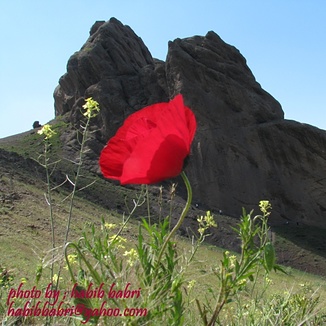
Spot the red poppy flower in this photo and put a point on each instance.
(151, 145)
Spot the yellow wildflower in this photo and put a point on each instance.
(46, 131)
(91, 107)
(132, 256)
(71, 260)
(264, 206)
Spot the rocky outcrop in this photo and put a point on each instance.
(244, 149)
(115, 67)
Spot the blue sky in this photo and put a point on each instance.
(282, 40)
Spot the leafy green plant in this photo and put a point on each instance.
(91, 109)
(161, 277)
(44, 161)
(287, 308)
(234, 273)
(103, 261)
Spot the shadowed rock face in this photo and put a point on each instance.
(244, 150)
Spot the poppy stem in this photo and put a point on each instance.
(182, 216)
(148, 208)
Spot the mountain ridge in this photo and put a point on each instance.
(243, 145)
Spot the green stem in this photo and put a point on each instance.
(222, 297)
(85, 134)
(95, 275)
(49, 200)
(136, 204)
(79, 164)
(182, 216)
(148, 207)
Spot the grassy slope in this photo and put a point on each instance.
(25, 225)
(25, 239)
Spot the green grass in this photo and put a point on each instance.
(25, 231)
(29, 144)
(25, 240)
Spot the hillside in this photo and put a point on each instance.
(27, 254)
(24, 213)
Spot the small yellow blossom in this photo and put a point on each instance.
(268, 281)
(200, 220)
(209, 219)
(264, 206)
(118, 241)
(46, 131)
(110, 226)
(71, 260)
(55, 278)
(242, 282)
(232, 261)
(191, 284)
(132, 256)
(201, 231)
(91, 107)
(206, 222)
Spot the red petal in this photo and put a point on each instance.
(113, 156)
(151, 145)
(154, 159)
(180, 120)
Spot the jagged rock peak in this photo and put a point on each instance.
(244, 150)
(215, 75)
(96, 26)
(111, 51)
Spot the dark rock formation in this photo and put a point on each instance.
(36, 124)
(244, 150)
